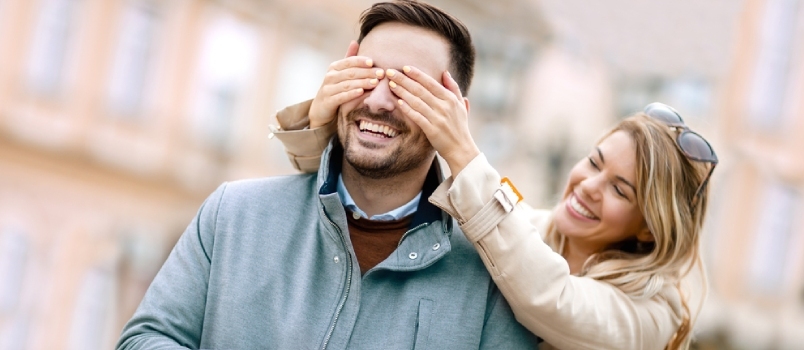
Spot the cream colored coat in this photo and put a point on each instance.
(568, 312)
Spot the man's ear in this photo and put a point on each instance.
(352, 49)
(466, 102)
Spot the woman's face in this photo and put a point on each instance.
(599, 204)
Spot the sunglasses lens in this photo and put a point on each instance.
(696, 147)
(664, 113)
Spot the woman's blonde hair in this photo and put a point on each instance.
(666, 183)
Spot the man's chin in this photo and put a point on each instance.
(367, 152)
(371, 146)
(368, 161)
(372, 170)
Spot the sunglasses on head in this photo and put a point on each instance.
(691, 144)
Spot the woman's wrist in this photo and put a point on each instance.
(317, 116)
(315, 123)
(458, 161)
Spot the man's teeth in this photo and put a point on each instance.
(580, 209)
(381, 129)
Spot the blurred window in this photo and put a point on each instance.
(635, 93)
(92, 310)
(14, 246)
(501, 62)
(771, 263)
(52, 36)
(766, 102)
(496, 140)
(134, 51)
(301, 73)
(14, 333)
(227, 67)
(689, 95)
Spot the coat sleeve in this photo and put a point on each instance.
(567, 311)
(303, 146)
(171, 313)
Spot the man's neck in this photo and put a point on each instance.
(377, 196)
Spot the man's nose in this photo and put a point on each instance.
(381, 98)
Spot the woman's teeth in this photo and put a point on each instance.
(580, 209)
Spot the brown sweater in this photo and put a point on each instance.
(374, 241)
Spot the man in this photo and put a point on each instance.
(350, 257)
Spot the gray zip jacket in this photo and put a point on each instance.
(268, 264)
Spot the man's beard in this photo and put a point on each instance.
(400, 160)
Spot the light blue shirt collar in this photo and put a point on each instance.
(396, 214)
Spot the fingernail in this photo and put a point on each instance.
(379, 73)
(399, 102)
(373, 81)
(406, 69)
(390, 73)
(369, 62)
(392, 84)
(450, 75)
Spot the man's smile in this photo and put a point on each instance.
(376, 129)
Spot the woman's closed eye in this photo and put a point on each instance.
(617, 189)
(620, 192)
(593, 163)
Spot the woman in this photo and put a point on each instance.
(614, 265)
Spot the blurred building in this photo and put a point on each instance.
(755, 243)
(607, 60)
(735, 71)
(118, 117)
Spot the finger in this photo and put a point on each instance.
(337, 76)
(416, 117)
(352, 50)
(432, 85)
(345, 96)
(353, 61)
(451, 84)
(441, 104)
(366, 84)
(413, 87)
(415, 101)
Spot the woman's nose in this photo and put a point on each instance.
(592, 187)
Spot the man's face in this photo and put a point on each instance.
(378, 141)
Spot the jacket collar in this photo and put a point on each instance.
(331, 166)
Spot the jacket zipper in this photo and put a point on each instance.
(349, 278)
(348, 285)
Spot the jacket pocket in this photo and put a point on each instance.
(422, 331)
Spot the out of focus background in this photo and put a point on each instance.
(118, 117)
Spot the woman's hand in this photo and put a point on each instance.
(439, 110)
(346, 79)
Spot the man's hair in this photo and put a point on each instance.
(419, 14)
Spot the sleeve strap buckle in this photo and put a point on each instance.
(508, 195)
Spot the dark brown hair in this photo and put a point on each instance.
(419, 14)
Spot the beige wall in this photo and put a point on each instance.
(757, 234)
(92, 195)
